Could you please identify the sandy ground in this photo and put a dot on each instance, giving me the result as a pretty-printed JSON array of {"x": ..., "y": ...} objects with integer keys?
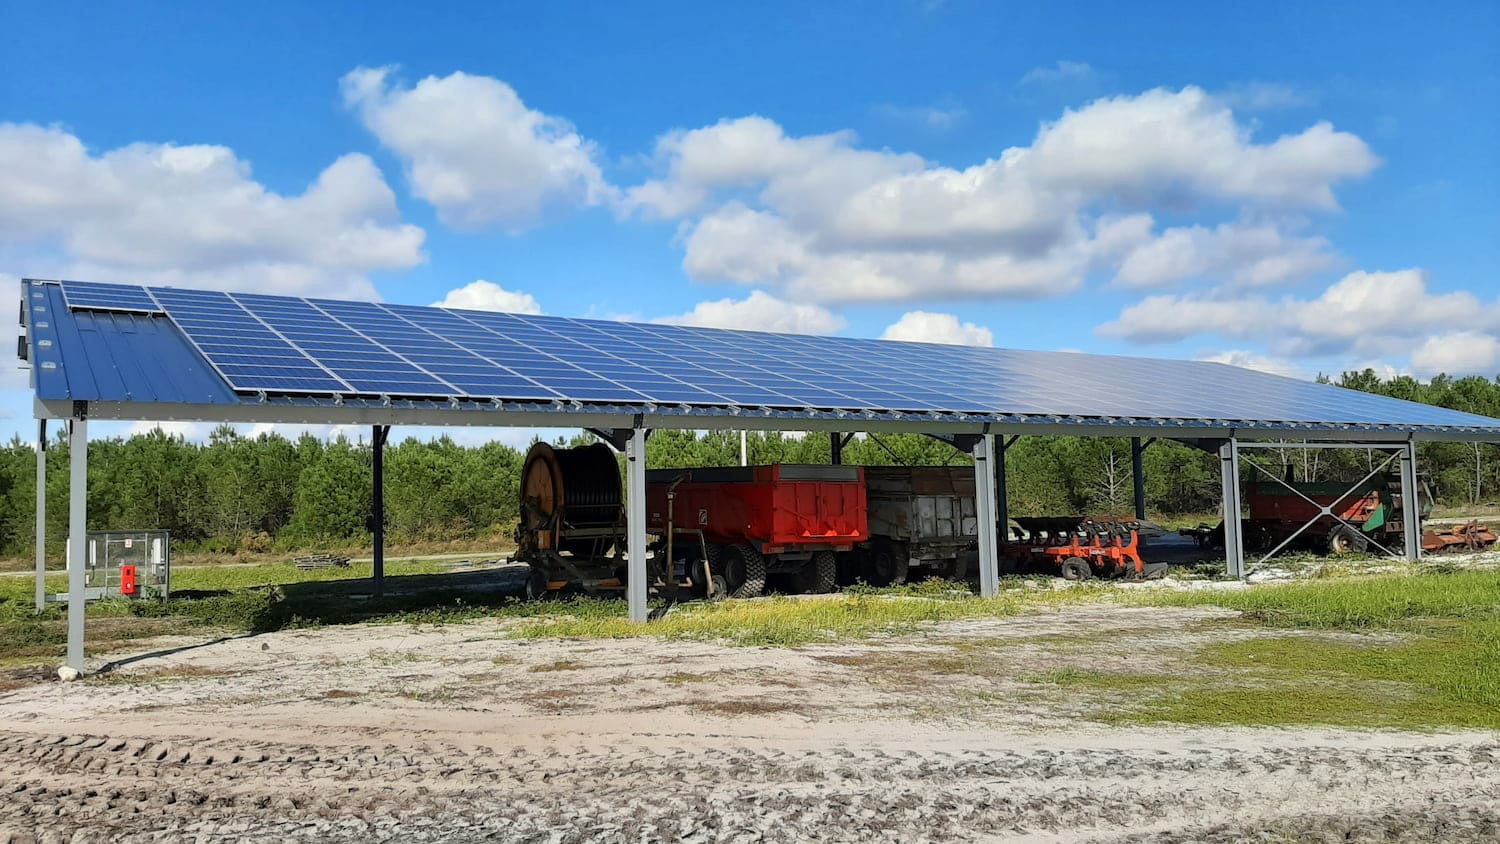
[{"x": 456, "y": 733}]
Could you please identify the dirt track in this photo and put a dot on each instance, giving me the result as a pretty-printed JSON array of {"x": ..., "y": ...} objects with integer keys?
[{"x": 457, "y": 734}]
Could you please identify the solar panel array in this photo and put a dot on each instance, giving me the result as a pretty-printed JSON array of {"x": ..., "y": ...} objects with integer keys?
[{"x": 316, "y": 347}]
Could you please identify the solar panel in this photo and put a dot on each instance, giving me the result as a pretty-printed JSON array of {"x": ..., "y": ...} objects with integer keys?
[
  {"x": 108, "y": 297},
  {"x": 318, "y": 347}
]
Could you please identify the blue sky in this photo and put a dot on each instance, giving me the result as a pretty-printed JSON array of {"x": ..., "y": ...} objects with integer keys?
[{"x": 1298, "y": 187}]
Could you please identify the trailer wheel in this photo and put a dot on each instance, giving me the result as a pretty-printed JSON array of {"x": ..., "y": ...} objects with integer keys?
[
  {"x": 818, "y": 576},
  {"x": 744, "y": 570},
  {"x": 536, "y": 585},
  {"x": 715, "y": 569},
  {"x": 886, "y": 564},
  {"x": 1076, "y": 568},
  {"x": 1344, "y": 539}
]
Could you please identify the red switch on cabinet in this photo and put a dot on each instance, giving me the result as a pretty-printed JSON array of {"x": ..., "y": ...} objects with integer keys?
[{"x": 127, "y": 580}]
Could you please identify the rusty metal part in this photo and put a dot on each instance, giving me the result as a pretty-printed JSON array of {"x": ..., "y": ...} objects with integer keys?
[{"x": 1470, "y": 536}]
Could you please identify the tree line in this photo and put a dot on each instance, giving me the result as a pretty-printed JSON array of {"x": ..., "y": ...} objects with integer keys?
[{"x": 236, "y": 492}]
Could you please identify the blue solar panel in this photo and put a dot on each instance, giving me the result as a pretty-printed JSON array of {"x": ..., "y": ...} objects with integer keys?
[
  {"x": 298, "y": 346},
  {"x": 108, "y": 297}
]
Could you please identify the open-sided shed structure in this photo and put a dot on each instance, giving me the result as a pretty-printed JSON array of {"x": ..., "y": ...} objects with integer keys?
[{"x": 107, "y": 351}]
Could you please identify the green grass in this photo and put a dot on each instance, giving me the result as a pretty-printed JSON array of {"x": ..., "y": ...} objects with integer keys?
[
  {"x": 783, "y": 621},
  {"x": 1441, "y": 670}
]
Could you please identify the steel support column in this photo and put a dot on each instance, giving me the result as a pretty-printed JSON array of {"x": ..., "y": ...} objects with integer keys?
[
  {"x": 1411, "y": 503},
  {"x": 1002, "y": 492},
  {"x": 41, "y": 514},
  {"x": 1234, "y": 543},
  {"x": 1138, "y": 476},
  {"x": 984, "y": 512},
  {"x": 377, "y": 506},
  {"x": 835, "y": 448},
  {"x": 78, "y": 487},
  {"x": 635, "y": 524}
]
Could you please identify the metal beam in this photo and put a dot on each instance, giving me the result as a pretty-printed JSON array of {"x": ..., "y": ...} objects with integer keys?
[
  {"x": 78, "y": 488},
  {"x": 1411, "y": 504},
  {"x": 1002, "y": 493},
  {"x": 1229, "y": 471},
  {"x": 374, "y": 413},
  {"x": 635, "y": 524},
  {"x": 835, "y": 448},
  {"x": 1138, "y": 476},
  {"x": 377, "y": 506},
  {"x": 41, "y": 514},
  {"x": 984, "y": 511}
]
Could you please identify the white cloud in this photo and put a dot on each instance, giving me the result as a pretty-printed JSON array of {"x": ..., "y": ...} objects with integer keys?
[
  {"x": 927, "y": 327},
  {"x": 193, "y": 215},
  {"x": 474, "y": 150},
  {"x": 932, "y": 117},
  {"x": 759, "y": 312},
  {"x": 1265, "y": 96},
  {"x": 1063, "y": 71},
  {"x": 819, "y": 219},
  {"x": 1363, "y": 315},
  {"x": 1262, "y": 363},
  {"x": 1245, "y": 255},
  {"x": 1459, "y": 353},
  {"x": 484, "y": 295}
]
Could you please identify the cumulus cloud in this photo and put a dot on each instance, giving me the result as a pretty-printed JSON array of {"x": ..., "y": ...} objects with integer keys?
[
  {"x": 1459, "y": 353},
  {"x": 1265, "y": 96},
  {"x": 474, "y": 150},
  {"x": 1245, "y": 255},
  {"x": 818, "y": 218},
  {"x": 759, "y": 311},
  {"x": 173, "y": 214},
  {"x": 1371, "y": 314},
  {"x": 928, "y": 327},
  {"x": 484, "y": 295}
]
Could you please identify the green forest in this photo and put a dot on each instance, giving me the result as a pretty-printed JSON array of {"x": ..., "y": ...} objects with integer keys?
[{"x": 235, "y": 493}]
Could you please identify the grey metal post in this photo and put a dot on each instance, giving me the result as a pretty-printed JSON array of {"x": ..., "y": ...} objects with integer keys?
[
  {"x": 377, "y": 504},
  {"x": 635, "y": 524},
  {"x": 78, "y": 483},
  {"x": 1229, "y": 469},
  {"x": 836, "y": 448},
  {"x": 1002, "y": 494},
  {"x": 41, "y": 514},
  {"x": 1138, "y": 476},
  {"x": 984, "y": 511},
  {"x": 1411, "y": 503}
]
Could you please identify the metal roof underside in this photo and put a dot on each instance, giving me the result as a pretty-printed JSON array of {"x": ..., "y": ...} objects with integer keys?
[{"x": 132, "y": 363}]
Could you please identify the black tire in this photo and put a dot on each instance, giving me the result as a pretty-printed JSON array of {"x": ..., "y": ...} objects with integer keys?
[
  {"x": 715, "y": 569},
  {"x": 886, "y": 564},
  {"x": 744, "y": 570},
  {"x": 1345, "y": 539},
  {"x": 721, "y": 588},
  {"x": 1076, "y": 568},
  {"x": 536, "y": 585},
  {"x": 818, "y": 576}
]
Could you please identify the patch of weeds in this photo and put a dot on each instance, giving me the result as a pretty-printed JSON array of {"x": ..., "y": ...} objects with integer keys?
[
  {"x": 683, "y": 677},
  {"x": 553, "y": 701},
  {"x": 382, "y": 656},
  {"x": 557, "y": 665},
  {"x": 748, "y": 706},
  {"x": 340, "y": 694},
  {"x": 1093, "y": 679},
  {"x": 160, "y": 674},
  {"x": 784, "y": 621}
]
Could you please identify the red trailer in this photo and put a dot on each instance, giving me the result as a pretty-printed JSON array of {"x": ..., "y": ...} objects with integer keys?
[{"x": 743, "y": 524}]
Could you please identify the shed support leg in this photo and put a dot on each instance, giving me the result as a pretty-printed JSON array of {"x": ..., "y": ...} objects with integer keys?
[
  {"x": 377, "y": 506},
  {"x": 41, "y": 514},
  {"x": 836, "y": 448},
  {"x": 635, "y": 524},
  {"x": 1411, "y": 503},
  {"x": 984, "y": 510},
  {"x": 1234, "y": 543},
  {"x": 1002, "y": 494},
  {"x": 1138, "y": 475},
  {"x": 78, "y": 484}
]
